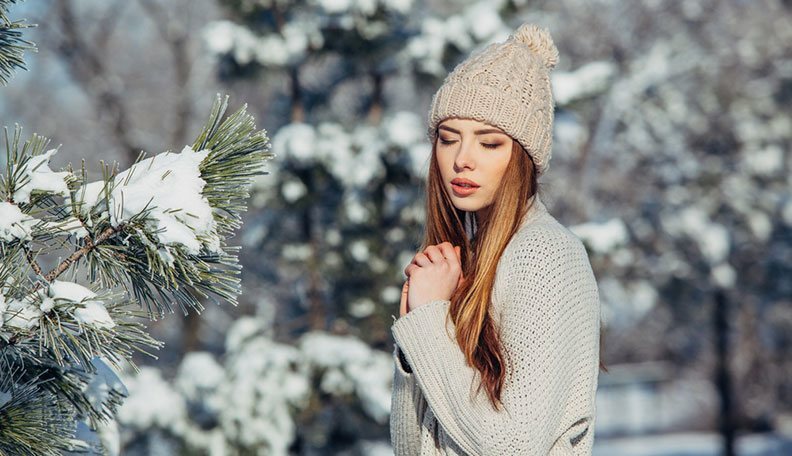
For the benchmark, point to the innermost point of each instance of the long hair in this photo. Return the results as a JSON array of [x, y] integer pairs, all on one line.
[[476, 332]]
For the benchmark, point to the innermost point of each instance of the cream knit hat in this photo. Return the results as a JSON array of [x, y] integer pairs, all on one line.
[[506, 85]]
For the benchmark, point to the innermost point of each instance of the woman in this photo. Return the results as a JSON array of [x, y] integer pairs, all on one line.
[[497, 343]]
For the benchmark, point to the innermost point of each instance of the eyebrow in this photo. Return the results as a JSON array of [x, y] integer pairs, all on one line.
[[477, 132]]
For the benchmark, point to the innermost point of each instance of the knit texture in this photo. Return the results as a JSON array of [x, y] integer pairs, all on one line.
[[546, 306], [506, 85]]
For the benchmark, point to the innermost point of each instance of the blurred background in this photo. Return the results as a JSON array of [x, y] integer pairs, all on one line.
[[671, 162]]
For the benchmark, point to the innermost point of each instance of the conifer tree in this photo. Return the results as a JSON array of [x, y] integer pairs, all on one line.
[[84, 262]]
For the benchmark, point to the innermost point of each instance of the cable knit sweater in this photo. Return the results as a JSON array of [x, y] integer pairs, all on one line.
[[545, 303]]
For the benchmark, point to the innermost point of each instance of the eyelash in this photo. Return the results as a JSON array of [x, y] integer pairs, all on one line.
[[488, 146]]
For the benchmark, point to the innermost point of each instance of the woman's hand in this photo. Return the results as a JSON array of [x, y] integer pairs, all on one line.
[[433, 274]]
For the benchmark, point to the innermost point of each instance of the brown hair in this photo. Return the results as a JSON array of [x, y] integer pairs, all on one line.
[[475, 329]]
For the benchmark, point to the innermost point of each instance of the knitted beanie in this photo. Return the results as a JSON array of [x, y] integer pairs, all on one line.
[[506, 85]]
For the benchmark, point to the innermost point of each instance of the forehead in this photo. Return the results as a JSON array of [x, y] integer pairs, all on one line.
[[470, 125]]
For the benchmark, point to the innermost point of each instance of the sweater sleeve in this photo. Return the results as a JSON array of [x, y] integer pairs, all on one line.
[[407, 410], [547, 307]]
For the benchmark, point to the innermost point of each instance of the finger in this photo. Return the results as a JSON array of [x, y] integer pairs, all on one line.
[[403, 302], [458, 251], [448, 252], [422, 260], [435, 254]]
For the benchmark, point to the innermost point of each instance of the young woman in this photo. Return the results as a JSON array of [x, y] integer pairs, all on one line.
[[497, 344]]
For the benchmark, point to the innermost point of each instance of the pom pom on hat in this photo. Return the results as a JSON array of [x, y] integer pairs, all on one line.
[[539, 41]]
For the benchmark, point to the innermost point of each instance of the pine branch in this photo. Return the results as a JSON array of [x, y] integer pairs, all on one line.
[[31, 422], [159, 275], [54, 339], [67, 384], [12, 45]]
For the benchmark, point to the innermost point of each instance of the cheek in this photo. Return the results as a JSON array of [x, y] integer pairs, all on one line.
[[445, 164], [498, 168]]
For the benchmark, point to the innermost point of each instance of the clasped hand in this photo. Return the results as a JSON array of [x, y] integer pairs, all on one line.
[[433, 274]]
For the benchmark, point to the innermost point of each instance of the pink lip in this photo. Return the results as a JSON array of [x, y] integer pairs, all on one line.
[[464, 187]]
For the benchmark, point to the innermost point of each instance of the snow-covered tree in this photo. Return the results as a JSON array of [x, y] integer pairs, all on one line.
[[151, 236], [252, 401], [81, 259]]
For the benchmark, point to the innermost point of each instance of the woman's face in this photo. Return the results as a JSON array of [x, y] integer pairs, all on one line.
[[472, 157]]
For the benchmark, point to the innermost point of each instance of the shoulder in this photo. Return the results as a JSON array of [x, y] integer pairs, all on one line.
[[545, 258], [544, 242]]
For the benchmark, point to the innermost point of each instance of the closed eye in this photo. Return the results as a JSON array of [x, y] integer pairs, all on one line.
[[490, 146]]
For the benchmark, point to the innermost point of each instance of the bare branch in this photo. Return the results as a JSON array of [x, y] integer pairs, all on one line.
[[176, 39], [86, 65]]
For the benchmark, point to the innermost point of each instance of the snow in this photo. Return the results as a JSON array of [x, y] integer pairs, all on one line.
[[403, 129], [419, 158], [590, 79], [625, 303], [602, 237], [70, 225], [484, 21], [760, 224], [712, 238], [198, 374], [88, 195], [569, 133], [264, 383], [477, 26], [296, 142], [765, 162], [355, 210], [14, 224], [39, 176], [25, 314], [47, 304], [94, 314], [399, 6], [255, 397], [391, 294], [151, 402], [297, 36], [359, 250], [296, 252], [363, 147], [179, 218], [335, 6], [70, 291], [21, 315], [293, 190], [362, 308], [91, 313], [166, 256], [351, 365], [724, 275]]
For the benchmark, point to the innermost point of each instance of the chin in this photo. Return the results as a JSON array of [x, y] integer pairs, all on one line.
[[466, 204]]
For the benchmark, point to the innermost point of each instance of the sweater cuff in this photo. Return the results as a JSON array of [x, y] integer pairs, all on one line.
[[422, 335], [401, 362]]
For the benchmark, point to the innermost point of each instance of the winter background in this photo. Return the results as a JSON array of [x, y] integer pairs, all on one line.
[[671, 162]]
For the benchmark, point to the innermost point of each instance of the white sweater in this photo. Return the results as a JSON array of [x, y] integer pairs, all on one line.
[[546, 304]]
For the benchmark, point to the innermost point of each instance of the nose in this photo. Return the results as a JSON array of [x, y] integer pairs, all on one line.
[[464, 156]]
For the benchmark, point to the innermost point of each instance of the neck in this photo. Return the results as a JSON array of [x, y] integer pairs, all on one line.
[[482, 215]]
